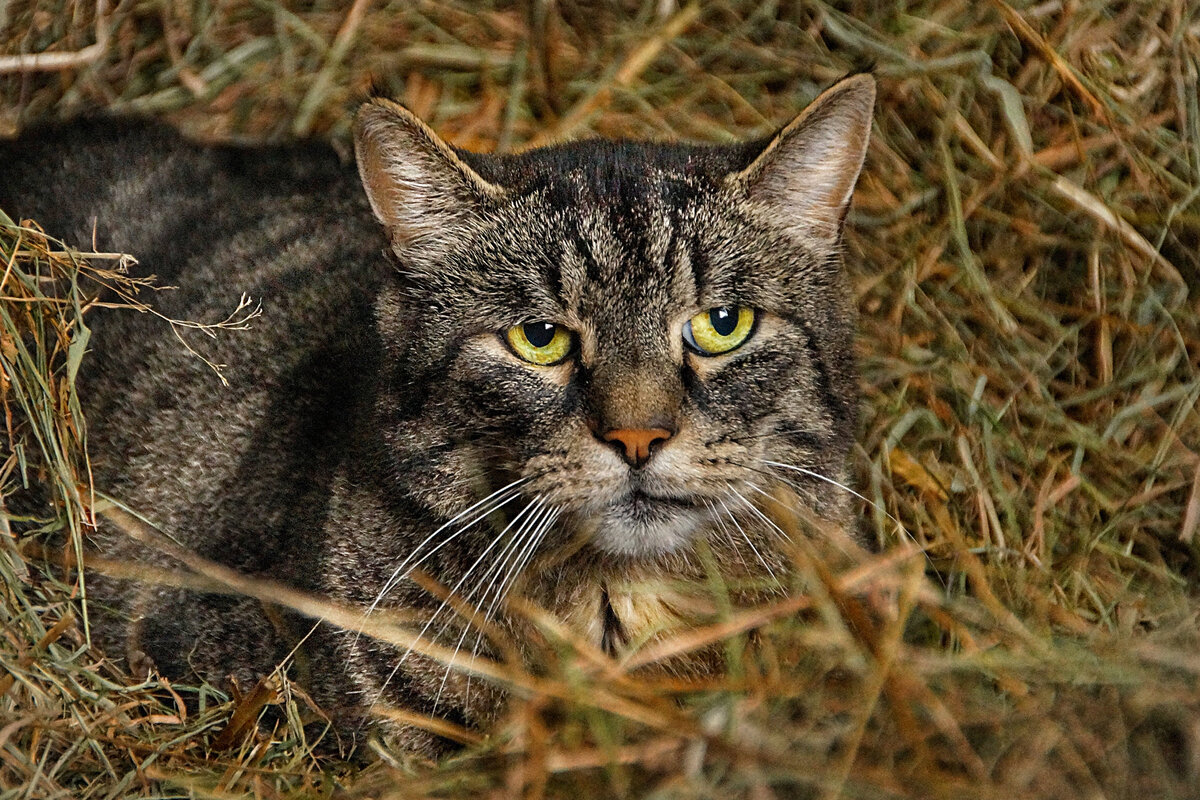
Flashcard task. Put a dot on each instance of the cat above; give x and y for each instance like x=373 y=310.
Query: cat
x=556 y=374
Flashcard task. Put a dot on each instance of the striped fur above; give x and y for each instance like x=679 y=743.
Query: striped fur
x=374 y=405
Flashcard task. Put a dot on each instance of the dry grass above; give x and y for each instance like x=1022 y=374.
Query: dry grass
x=1025 y=247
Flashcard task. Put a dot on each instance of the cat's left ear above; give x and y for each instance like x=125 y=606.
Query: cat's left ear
x=806 y=174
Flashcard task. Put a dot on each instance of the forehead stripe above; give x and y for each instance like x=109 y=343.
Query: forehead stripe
x=584 y=249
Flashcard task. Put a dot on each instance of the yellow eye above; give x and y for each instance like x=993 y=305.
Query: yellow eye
x=541 y=343
x=718 y=330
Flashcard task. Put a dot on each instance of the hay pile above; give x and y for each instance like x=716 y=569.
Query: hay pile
x=1025 y=247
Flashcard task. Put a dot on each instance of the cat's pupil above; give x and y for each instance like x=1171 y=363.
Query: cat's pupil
x=723 y=320
x=539 y=334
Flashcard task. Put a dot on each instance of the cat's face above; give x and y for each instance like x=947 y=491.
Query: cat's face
x=645 y=340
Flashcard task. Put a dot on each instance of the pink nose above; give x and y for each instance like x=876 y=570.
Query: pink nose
x=637 y=441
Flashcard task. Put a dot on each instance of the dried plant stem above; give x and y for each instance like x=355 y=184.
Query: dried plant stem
x=333 y=59
x=1088 y=202
x=1020 y=245
x=54 y=62
x=625 y=74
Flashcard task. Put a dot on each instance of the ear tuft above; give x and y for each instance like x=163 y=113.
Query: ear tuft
x=805 y=175
x=418 y=187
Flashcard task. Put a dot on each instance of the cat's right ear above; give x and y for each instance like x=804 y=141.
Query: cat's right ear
x=422 y=192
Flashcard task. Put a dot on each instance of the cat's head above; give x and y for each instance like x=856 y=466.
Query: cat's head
x=646 y=338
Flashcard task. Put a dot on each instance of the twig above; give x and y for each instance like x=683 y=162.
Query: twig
x=1061 y=156
x=53 y=62
x=1035 y=40
x=1191 y=516
x=337 y=51
x=441 y=727
x=1094 y=206
x=633 y=66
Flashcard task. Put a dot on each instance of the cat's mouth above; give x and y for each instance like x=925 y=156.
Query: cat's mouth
x=641 y=524
x=642 y=503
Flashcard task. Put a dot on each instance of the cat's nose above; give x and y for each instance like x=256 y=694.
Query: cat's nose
x=637 y=442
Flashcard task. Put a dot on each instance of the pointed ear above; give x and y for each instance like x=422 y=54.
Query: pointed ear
x=806 y=174
x=419 y=188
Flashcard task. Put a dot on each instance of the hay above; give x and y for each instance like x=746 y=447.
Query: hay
x=1025 y=249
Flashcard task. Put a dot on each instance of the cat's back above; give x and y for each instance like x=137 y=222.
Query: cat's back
x=138 y=186
x=285 y=226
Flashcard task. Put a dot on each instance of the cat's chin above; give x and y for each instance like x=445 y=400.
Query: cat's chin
x=646 y=527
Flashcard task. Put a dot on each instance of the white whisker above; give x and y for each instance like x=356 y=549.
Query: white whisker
x=520 y=520
x=404 y=569
x=842 y=486
x=899 y=525
x=400 y=571
x=535 y=511
x=774 y=528
x=521 y=560
x=538 y=532
x=452 y=593
x=716 y=516
x=522 y=540
x=754 y=549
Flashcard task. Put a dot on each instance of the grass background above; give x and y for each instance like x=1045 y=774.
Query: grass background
x=1025 y=253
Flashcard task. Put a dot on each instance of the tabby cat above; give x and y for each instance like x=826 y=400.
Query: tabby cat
x=564 y=374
